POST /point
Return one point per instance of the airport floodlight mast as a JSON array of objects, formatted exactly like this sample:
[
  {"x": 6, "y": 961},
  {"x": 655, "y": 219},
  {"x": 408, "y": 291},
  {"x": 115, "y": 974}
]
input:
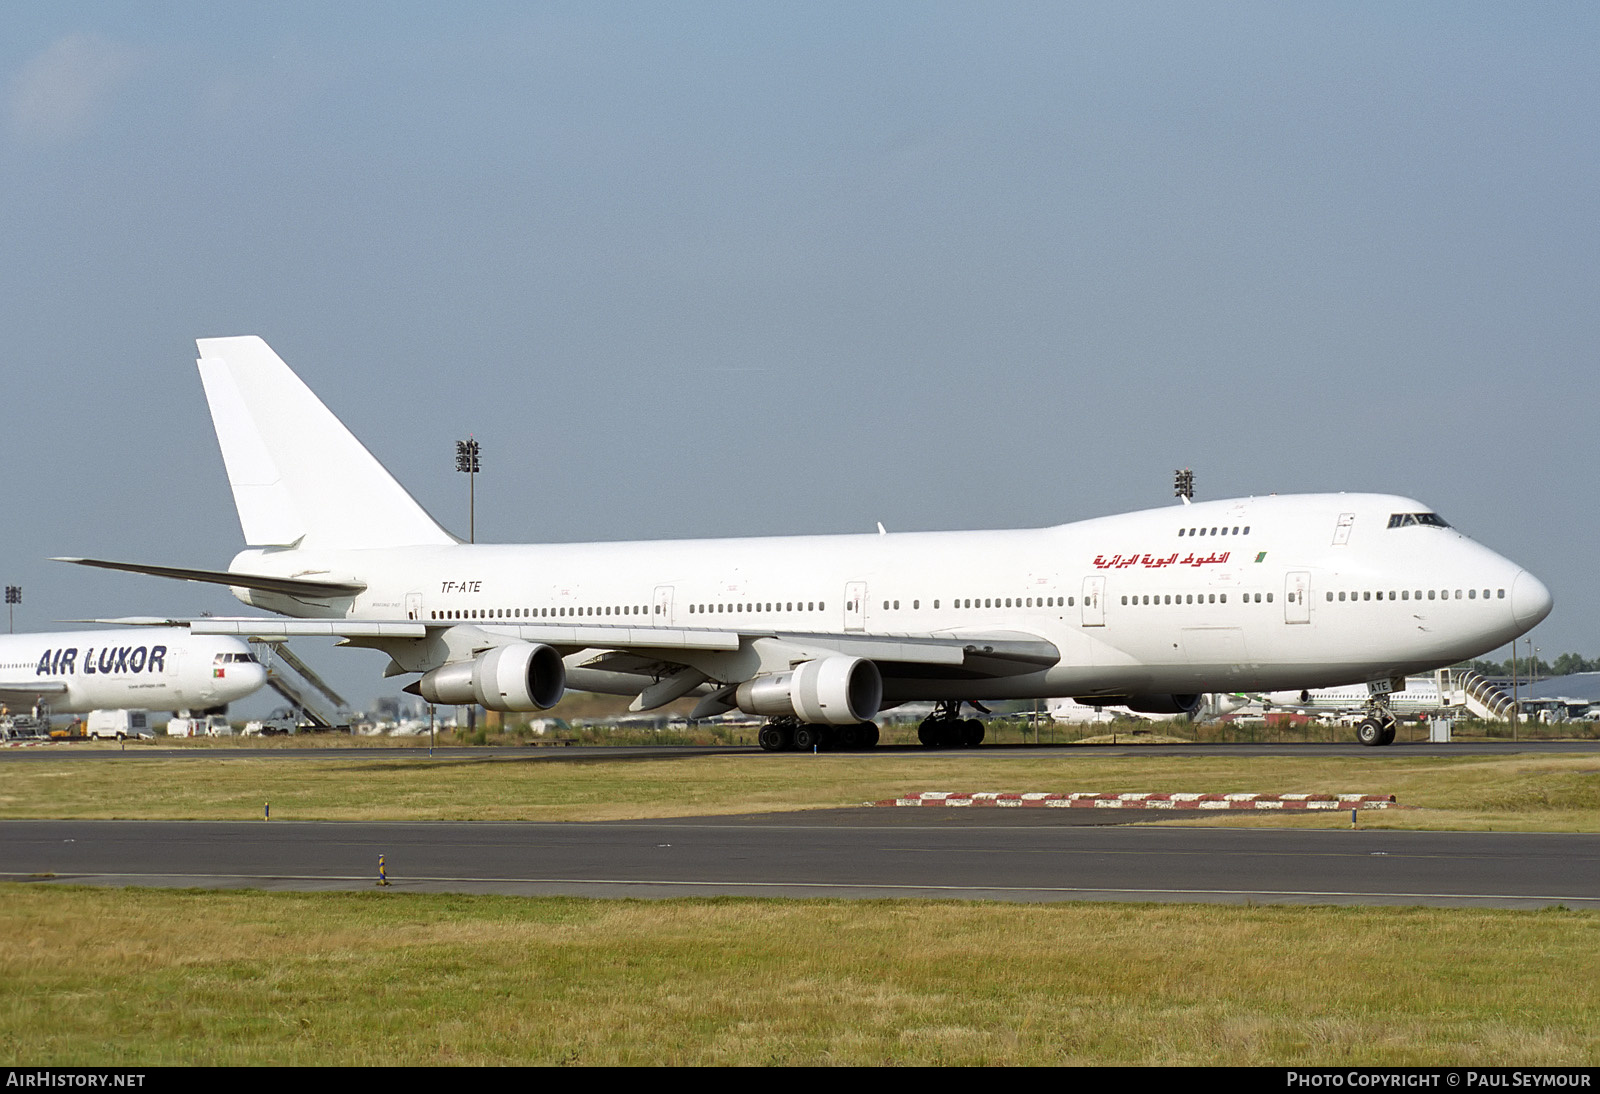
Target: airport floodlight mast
[
  {"x": 1183, "y": 485},
  {"x": 467, "y": 461},
  {"x": 13, "y": 598}
]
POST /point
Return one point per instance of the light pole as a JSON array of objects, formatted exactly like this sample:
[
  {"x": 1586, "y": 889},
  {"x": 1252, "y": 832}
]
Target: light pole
[
  {"x": 1515, "y": 699},
  {"x": 13, "y": 598},
  {"x": 467, "y": 461}
]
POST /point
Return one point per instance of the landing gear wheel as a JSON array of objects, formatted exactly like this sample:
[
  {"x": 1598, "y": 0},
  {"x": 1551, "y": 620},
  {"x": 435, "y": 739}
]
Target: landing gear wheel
[
  {"x": 773, "y": 738},
  {"x": 944, "y": 728},
  {"x": 867, "y": 735},
  {"x": 847, "y": 737},
  {"x": 808, "y": 737},
  {"x": 1388, "y": 735},
  {"x": 1370, "y": 732}
]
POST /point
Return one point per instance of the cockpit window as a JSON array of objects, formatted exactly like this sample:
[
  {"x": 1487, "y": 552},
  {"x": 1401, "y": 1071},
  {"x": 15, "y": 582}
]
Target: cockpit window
[
  {"x": 1400, "y": 520},
  {"x": 234, "y": 659}
]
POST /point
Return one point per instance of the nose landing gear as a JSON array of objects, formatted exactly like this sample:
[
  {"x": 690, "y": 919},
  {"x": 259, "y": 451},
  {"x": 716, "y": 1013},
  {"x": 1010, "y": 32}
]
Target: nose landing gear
[{"x": 1377, "y": 728}]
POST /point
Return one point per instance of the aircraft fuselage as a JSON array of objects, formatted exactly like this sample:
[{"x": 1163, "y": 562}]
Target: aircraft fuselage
[
  {"x": 148, "y": 668},
  {"x": 1255, "y": 593}
]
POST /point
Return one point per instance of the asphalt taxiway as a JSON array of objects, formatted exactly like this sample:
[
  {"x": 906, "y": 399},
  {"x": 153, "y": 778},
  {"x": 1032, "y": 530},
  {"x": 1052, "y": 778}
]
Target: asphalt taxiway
[
  {"x": 979, "y": 854},
  {"x": 1025, "y": 854}
]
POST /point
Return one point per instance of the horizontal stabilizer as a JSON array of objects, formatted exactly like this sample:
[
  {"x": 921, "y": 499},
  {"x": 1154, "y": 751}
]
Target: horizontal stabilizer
[
  {"x": 288, "y": 586},
  {"x": 133, "y": 621}
]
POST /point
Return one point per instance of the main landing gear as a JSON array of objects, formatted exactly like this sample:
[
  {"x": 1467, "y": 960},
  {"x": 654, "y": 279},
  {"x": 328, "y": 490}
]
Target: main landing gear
[
  {"x": 785, "y": 734},
  {"x": 945, "y": 728},
  {"x": 1377, "y": 728}
]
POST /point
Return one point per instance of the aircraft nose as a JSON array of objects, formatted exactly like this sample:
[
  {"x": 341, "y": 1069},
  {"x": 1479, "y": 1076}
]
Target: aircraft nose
[
  {"x": 1530, "y": 600},
  {"x": 247, "y": 678}
]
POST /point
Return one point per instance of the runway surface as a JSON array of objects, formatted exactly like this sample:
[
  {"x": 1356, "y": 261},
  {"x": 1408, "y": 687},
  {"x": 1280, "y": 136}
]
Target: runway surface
[{"x": 988, "y": 854}]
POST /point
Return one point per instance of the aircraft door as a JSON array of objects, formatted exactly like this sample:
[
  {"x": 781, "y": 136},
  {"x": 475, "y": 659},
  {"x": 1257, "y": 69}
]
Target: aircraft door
[
  {"x": 661, "y": 613},
  {"x": 413, "y": 605},
  {"x": 855, "y": 606},
  {"x": 174, "y": 669},
  {"x": 1297, "y": 597},
  {"x": 1094, "y": 611},
  {"x": 1341, "y": 531}
]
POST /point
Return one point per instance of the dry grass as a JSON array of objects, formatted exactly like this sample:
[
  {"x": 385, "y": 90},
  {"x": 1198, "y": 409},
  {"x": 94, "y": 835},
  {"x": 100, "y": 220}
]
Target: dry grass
[
  {"x": 150, "y": 977},
  {"x": 1523, "y": 792}
]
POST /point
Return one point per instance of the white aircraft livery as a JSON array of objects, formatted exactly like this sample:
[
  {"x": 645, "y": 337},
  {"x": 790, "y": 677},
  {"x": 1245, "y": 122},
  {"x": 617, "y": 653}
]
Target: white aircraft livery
[
  {"x": 1208, "y": 706},
  {"x": 146, "y": 668},
  {"x": 1416, "y": 697},
  {"x": 820, "y": 633}
]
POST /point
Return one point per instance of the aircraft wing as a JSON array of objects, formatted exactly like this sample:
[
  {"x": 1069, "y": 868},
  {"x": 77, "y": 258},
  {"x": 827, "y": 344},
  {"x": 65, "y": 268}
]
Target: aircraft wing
[
  {"x": 28, "y": 692},
  {"x": 978, "y": 654}
]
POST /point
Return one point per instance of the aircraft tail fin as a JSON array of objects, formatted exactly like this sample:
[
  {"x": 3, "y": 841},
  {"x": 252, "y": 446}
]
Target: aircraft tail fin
[{"x": 299, "y": 477}]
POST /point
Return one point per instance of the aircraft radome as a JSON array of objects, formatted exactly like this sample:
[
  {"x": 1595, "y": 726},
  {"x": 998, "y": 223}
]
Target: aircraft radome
[
  {"x": 819, "y": 633},
  {"x": 146, "y": 668}
]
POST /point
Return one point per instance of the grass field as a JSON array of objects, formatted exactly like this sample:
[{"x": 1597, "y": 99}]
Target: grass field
[
  {"x": 1559, "y": 793},
  {"x": 131, "y": 977},
  {"x": 151, "y": 977}
]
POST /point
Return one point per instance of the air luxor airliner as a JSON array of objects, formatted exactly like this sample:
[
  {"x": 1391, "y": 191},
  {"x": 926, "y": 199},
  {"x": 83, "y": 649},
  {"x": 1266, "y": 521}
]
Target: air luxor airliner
[
  {"x": 820, "y": 633},
  {"x": 161, "y": 668}
]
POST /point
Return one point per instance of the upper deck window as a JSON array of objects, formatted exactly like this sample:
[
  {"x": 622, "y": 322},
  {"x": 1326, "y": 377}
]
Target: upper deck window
[{"x": 1400, "y": 520}]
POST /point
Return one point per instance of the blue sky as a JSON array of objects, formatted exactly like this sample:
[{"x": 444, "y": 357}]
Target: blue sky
[{"x": 727, "y": 269}]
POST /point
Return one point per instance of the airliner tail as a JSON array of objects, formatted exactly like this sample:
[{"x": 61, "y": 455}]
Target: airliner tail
[{"x": 299, "y": 477}]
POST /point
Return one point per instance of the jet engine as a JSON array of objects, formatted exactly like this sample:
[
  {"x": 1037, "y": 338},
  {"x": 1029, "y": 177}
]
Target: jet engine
[
  {"x": 836, "y": 691},
  {"x": 1145, "y": 703},
  {"x": 518, "y": 677}
]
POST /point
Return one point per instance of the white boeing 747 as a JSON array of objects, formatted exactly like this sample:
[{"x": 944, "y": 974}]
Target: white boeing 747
[
  {"x": 820, "y": 633},
  {"x": 159, "y": 668},
  {"x": 1416, "y": 697}
]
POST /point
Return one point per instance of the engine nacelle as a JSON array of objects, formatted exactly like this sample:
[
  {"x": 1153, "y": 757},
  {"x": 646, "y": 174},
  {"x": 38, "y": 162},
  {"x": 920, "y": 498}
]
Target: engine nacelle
[
  {"x": 835, "y": 691},
  {"x": 1146, "y": 703},
  {"x": 518, "y": 677}
]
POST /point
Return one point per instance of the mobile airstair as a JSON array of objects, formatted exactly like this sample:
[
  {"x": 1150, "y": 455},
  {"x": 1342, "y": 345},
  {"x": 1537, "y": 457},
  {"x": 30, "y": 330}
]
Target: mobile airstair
[
  {"x": 1482, "y": 698},
  {"x": 314, "y": 701}
]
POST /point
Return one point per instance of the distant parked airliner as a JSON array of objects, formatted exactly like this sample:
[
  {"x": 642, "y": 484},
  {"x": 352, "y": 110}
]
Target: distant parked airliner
[{"x": 154, "y": 668}]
